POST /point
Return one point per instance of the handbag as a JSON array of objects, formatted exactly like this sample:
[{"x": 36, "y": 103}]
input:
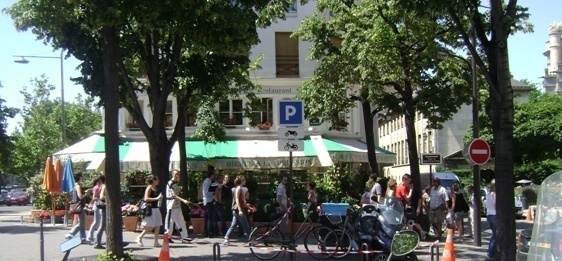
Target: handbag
[
  {"x": 145, "y": 209},
  {"x": 100, "y": 204},
  {"x": 75, "y": 208}
]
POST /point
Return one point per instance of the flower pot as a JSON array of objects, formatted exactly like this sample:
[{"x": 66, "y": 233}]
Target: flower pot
[
  {"x": 130, "y": 223},
  {"x": 88, "y": 221},
  {"x": 198, "y": 225}
]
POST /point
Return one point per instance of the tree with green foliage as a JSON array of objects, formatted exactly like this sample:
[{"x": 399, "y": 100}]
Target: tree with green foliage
[
  {"x": 6, "y": 142},
  {"x": 119, "y": 42},
  {"x": 377, "y": 53},
  {"x": 492, "y": 26},
  {"x": 38, "y": 135}
]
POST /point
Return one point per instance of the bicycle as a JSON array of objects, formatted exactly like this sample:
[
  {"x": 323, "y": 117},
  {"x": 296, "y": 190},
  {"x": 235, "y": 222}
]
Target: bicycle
[{"x": 268, "y": 241}]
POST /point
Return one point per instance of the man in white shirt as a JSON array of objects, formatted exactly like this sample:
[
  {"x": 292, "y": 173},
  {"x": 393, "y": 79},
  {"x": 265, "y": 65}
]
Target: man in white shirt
[
  {"x": 208, "y": 202},
  {"x": 437, "y": 206},
  {"x": 376, "y": 190},
  {"x": 282, "y": 200},
  {"x": 174, "y": 215}
]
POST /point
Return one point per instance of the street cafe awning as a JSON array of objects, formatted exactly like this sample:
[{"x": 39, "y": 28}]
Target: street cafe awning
[
  {"x": 350, "y": 150},
  {"x": 232, "y": 154}
]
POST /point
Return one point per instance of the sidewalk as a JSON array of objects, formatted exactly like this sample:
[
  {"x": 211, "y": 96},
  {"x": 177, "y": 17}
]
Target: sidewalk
[{"x": 21, "y": 242}]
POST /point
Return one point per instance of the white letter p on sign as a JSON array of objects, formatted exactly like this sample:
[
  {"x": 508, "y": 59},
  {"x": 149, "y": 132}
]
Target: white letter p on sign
[{"x": 290, "y": 111}]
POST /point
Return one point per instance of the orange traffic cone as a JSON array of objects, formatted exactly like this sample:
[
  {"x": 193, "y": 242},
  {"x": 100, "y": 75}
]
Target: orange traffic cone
[
  {"x": 449, "y": 252},
  {"x": 165, "y": 252}
]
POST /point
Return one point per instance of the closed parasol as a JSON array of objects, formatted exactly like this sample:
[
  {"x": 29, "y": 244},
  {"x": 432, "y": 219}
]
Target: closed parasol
[
  {"x": 68, "y": 182},
  {"x": 51, "y": 184}
]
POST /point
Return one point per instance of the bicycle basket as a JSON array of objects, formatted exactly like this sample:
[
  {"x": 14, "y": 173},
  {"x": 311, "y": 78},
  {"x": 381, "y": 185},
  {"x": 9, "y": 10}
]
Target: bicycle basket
[{"x": 334, "y": 219}]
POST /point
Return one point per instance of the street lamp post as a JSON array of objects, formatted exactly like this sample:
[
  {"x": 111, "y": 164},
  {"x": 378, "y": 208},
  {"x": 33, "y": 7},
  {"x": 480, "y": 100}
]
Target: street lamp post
[{"x": 63, "y": 113}]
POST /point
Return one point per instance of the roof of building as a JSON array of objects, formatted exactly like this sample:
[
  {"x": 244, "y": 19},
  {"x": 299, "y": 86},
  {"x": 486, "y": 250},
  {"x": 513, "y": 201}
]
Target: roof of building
[{"x": 517, "y": 85}]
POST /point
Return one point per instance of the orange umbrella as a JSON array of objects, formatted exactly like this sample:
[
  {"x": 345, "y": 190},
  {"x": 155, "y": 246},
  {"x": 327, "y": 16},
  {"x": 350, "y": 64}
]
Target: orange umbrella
[
  {"x": 50, "y": 181},
  {"x": 58, "y": 171},
  {"x": 51, "y": 184}
]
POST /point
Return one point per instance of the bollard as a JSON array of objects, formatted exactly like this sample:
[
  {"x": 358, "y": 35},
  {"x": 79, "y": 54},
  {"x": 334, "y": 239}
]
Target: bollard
[
  {"x": 21, "y": 220},
  {"x": 41, "y": 241},
  {"x": 431, "y": 252},
  {"x": 365, "y": 254},
  {"x": 216, "y": 252}
]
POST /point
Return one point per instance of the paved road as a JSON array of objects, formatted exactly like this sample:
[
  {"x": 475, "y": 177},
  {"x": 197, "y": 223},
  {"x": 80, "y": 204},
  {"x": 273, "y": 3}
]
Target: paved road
[{"x": 21, "y": 242}]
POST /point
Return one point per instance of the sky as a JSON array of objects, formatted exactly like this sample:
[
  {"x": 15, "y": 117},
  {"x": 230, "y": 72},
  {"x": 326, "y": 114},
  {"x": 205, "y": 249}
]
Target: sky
[{"x": 525, "y": 56}]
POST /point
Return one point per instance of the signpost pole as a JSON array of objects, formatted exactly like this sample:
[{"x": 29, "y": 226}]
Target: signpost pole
[
  {"x": 475, "y": 167},
  {"x": 291, "y": 194}
]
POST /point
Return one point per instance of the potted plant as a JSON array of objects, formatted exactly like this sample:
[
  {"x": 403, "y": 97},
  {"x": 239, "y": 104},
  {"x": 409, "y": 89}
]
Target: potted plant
[
  {"x": 130, "y": 217},
  {"x": 197, "y": 217},
  {"x": 264, "y": 126}
]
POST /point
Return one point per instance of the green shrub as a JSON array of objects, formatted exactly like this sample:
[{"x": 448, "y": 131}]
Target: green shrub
[
  {"x": 109, "y": 256},
  {"x": 531, "y": 193}
]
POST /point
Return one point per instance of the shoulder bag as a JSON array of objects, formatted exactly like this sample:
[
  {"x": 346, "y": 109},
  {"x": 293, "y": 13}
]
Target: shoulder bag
[
  {"x": 145, "y": 209},
  {"x": 76, "y": 205}
]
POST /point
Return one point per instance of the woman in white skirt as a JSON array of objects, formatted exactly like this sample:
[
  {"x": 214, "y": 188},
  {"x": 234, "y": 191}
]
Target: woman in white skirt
[{"x": 154, "y": 221}]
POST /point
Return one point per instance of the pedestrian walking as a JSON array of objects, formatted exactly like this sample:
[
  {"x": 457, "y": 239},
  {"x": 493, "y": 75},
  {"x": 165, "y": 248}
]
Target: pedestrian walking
[
  {"x": 78, "y": 197},
  {"x": 174, "y": 214},
  {"x": 438, "y": 206},
  {"x": 281, "y": 194},
  {"x": 390, "y": 188},
  {"x": 209, "y": 204},
  {"x": 491, "y": 218},
  {"x": 154, "y": 221},
  {"x": 376, "y": 189},
  {"x": 460, "y": 207},
  {"x": 219, "y": 206},
  {"x": 246, "y": 195},
  {"x": 97, "y": 211},
  {"x": 312, "y": 201},
  {"x": 100, "y": 205},
  {"x": 239, "y": 208},
  {"x": 471, "y": 217}
]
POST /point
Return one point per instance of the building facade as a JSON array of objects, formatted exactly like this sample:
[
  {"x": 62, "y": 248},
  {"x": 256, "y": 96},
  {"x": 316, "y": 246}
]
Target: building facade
[{"x": 552, "y": 80}]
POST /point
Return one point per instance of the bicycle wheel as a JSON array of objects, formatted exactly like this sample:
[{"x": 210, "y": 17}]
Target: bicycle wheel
[
  {"x": 344, "y": 244},
  {"x": 267, "y": 242},
  {"x": 321, "y": 242}
]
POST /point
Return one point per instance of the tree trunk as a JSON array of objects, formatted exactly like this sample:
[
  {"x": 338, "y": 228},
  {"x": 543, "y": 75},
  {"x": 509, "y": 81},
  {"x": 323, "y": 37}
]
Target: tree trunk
[
  {"x": 160, "y": 151},
  {"x": 183, "y": 154},
  {"x": 502, "y": 123},
  {"x": 370, "y": 136},
  {"x": 409, "y": 122},
  {"x": 114, "y": 229}
]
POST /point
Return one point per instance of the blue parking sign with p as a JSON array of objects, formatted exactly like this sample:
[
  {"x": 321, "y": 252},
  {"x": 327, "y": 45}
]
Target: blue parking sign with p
[{"x": 291, "y": 113}]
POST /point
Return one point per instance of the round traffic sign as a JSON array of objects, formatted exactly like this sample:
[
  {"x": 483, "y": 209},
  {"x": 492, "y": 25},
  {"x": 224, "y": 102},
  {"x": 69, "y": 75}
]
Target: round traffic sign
[{"x": 479, "y": 151}]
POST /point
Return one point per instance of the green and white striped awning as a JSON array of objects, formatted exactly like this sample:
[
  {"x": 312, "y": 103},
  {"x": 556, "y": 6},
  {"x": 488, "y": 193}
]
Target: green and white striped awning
[{"x": 231, "y": 154}]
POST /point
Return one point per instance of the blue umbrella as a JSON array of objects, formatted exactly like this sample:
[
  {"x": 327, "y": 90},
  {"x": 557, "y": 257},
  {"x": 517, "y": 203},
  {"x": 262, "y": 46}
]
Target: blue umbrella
[{"x": 68, "y": 182}]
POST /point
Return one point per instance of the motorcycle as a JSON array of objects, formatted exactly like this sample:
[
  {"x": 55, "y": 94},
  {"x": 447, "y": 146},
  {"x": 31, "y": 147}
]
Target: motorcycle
[{"x": 383, "y": 227}]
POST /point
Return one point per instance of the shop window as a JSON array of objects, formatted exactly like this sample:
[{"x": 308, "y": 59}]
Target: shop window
[
  {"x": 169, "y": 114},
  {"x": 131, "y": 123},
  {"x": 231, "y": 112},
  {"x": 264, "y": 113},
  {"x": 286, "y": 55}
]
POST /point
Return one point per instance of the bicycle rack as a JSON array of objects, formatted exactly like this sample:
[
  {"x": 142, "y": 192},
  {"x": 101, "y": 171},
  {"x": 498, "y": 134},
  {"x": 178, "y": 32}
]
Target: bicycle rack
[
  {"x": 431, "y": 252},
  {"x": 365, "y": 249},
  {"x": 216, "y": 252}
]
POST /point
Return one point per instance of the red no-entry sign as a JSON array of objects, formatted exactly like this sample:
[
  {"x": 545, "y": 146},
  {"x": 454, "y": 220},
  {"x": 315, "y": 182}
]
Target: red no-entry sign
[{"x": 479, "y": 151}]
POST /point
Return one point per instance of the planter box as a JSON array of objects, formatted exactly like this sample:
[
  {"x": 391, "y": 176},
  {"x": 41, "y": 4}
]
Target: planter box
[
  {"x": 198, "y": 225},
  {"x": 130, "y": 223}
]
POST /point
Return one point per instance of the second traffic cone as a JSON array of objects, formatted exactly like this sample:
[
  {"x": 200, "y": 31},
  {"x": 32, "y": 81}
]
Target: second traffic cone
[
  {"x": 449, "y": 252},
  {"x": 165, "y": 252}
]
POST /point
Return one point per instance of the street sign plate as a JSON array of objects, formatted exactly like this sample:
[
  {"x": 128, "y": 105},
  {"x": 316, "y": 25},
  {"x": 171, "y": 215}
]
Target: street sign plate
[
  {"x": 479, "y": 151},
  {"x": 290, "y": 145},
  {"x": 290, "y": 133},
  {"x": 291, "y": 113},
  {"x": 430, "y": 159}
]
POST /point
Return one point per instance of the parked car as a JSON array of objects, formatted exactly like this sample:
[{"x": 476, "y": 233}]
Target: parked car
[
  {"x": 2, "y": 199},
  {"x": 18, "y": 198}
]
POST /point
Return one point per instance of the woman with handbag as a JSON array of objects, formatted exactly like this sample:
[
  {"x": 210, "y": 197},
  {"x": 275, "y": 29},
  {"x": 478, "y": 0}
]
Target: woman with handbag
[
  {"x": 97, "y": 211},
  {"x": 154, "y": 221},
  {"x": 100, "y": 205},
  {"x": 77, "y": 207}
]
